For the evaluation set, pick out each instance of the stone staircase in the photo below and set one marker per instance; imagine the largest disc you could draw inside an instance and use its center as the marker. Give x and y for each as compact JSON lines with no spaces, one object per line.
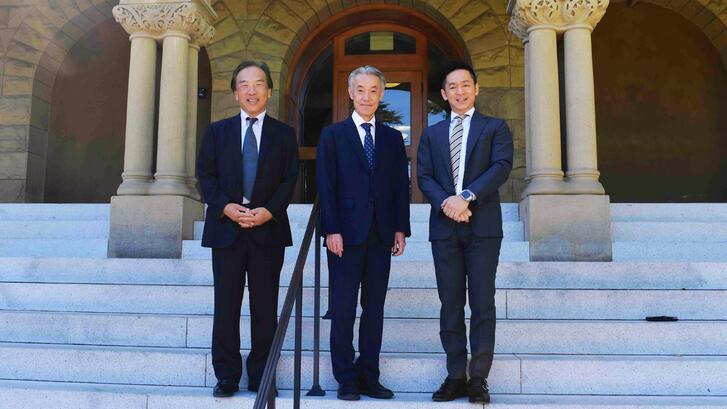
{"x":78,"y":330}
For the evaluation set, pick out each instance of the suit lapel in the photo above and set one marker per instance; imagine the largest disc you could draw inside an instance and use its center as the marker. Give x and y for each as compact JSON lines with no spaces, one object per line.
{"x":235,"y":143}
{"x":267,"y":137}
{"x":379,"y":141}
{"x":442,"y":138}
{"x":351,"y":136}
{"x":475,"y":131}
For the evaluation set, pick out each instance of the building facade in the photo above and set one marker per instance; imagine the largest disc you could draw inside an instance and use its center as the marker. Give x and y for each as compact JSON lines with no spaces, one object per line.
{"x":105,"y":97}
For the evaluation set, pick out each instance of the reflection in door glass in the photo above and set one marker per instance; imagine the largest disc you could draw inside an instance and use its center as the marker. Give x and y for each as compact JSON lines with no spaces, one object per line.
{"x":395,"y":109}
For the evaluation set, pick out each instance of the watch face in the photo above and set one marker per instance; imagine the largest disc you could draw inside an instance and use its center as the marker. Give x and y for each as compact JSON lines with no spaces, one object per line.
{"x":466,"y":195}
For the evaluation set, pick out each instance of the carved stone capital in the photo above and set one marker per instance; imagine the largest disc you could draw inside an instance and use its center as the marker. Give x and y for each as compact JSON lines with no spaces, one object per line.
{"x":557,"y":14}
{"x":156,"y":19}
{"x":586,"y":12}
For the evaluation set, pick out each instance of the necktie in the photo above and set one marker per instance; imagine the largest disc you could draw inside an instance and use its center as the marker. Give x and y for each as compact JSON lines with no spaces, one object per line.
{"x":369,"y":144}
{"x":455,"y":145}
{"x":249,"y":160}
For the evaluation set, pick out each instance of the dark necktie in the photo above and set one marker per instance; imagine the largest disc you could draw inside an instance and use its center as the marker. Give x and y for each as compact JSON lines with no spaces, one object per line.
{"x":369,"y":144}
{"x":249,"y":160}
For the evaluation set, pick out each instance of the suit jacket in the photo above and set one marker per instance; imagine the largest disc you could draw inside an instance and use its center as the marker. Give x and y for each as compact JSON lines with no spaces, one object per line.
{"x":219,"y":170}
{"x":488,"y":161}
{"x":349,"y":193}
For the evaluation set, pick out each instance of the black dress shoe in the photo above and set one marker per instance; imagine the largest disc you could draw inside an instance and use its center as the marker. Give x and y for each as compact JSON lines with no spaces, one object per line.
{"x":450,"y":390}
{"x":477,"y":390}
{"x":374,"y":389}
{"x":225,"y":389}
{"x":348,"y":391}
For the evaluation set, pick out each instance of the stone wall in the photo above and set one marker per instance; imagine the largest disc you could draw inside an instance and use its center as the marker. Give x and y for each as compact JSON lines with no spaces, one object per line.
{"x":36,"y":35}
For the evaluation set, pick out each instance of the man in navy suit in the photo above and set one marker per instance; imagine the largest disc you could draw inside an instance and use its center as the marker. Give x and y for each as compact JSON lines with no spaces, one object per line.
{"x":247,"y":168}
{"x":461,"y":163}
{"x":363,"y":188}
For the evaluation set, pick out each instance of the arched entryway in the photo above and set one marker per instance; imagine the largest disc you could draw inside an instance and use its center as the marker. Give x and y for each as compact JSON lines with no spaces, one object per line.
{"x":409,"y":47}
{"x":85,"y":150}
{"x":661,"y":98}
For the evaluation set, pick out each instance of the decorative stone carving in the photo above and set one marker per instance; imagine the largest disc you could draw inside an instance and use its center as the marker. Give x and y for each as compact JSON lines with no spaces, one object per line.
{"x":157,"y":19}
{"x":588,"y":12}
{"x":557,"y":14}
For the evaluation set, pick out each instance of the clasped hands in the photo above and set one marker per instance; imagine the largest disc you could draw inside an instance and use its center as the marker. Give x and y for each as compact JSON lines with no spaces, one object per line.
{"x":457,"y":209}
{"x":334,"y":243}
{"x":247,"y":218}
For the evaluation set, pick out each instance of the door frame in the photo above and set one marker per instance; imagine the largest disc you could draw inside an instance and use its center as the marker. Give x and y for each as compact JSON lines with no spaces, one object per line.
{"x":398,"y":18}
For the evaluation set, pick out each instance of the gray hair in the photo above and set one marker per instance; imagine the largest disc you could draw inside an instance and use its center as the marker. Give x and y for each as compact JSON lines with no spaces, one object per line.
{"x":366,"y":69}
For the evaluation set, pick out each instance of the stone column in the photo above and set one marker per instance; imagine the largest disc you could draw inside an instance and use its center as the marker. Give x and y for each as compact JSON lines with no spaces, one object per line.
{"x":582,"y":174}
{"x":522,"y":33}
{"x":565,"y":219}
{"x":153,"y":223}
{"x":139,"y":144}
{"x":171,"y":175}
{"x":546,"y":174}
{"x":191,"y":149}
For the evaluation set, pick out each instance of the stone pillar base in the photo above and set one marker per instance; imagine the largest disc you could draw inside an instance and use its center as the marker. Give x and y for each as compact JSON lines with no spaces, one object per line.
{"x":567,"y":227}
{"x":151,"y":226}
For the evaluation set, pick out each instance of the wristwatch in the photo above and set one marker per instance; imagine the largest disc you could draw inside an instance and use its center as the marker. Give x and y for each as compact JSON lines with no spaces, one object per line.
{"x":467,"y":195}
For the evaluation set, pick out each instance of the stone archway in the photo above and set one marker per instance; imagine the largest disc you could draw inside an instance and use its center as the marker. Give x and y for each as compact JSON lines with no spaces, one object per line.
{"x":661,"y":94}
{"x":40,"y":37}
{"x":708,"y":16}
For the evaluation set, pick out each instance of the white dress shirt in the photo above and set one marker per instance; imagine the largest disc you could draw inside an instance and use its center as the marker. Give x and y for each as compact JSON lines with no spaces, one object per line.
{"x":465,"y":132}
{"x":257,"y":130}
{"x":361,"y":131}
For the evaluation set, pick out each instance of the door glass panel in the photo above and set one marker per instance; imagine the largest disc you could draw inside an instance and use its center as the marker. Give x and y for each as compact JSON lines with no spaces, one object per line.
{"x":381,"y":42}
{"x":395,"y":109}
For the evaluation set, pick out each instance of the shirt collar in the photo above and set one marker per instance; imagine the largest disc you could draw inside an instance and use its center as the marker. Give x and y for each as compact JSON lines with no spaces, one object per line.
{"x":469,"y":114}
{"x":260,"y":116}
{"x":358,"y":120}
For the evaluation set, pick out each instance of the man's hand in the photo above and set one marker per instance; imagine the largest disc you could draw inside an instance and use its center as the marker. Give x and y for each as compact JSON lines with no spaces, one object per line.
{"x":464,"y":217}
{"x":399,"y":243}
{"x":334,"y":243}
{"x":255,"y":217}
{"x":454,"y":207}
{"x":235,"y":212}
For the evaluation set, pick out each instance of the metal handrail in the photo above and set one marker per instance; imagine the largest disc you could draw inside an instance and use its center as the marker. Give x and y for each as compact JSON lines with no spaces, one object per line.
{"x":267,"y":392}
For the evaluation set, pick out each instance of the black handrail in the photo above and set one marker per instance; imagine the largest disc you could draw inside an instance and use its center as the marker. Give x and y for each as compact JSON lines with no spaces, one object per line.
{"x":267,"y":392}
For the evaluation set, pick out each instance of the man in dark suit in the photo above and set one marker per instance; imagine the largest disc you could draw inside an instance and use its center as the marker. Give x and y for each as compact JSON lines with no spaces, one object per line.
{"x":461,"y":163}
{"x":247,"y":167}
{"x":363,"y":188}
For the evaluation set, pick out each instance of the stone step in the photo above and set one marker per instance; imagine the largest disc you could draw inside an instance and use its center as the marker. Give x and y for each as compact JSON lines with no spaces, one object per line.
{"x":54,"y":211}
{"x":669,"y":212}
{"x":93,"y":248}
{"x":513,"y":336}
{"x":55,"y":229}
{"x":512,"y":231}
{"x":669,"y":251}
{"x":401,"y":302}
{"x":412,"y":274}
{"x":415,"y":251}
{"x":526,"y":374}
{"x":670,"y":232}
{"x":419,"y":212}
{"x":36,"y":394}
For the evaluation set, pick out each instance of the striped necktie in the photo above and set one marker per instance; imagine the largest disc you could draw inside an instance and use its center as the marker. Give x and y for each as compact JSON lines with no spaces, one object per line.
{"x":455,"y":145}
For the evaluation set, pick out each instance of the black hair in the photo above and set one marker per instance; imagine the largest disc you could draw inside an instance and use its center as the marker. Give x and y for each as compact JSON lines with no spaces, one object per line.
{"x":247,"y":64}
{"x":458,"y":65}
